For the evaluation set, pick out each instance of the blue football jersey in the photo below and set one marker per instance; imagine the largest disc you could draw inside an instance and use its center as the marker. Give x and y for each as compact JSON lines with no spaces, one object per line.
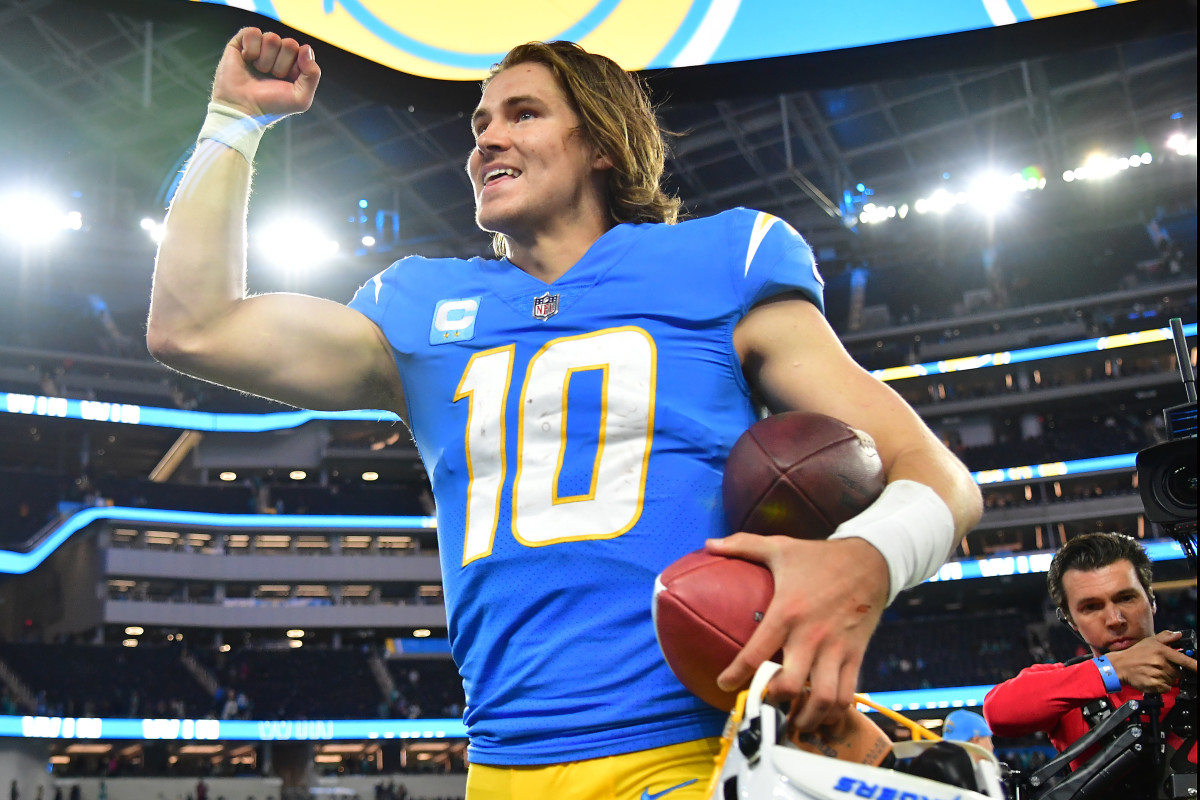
{"x":575,"y":435}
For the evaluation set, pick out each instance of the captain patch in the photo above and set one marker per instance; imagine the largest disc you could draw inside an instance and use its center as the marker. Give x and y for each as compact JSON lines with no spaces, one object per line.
{"x":454,"y":320}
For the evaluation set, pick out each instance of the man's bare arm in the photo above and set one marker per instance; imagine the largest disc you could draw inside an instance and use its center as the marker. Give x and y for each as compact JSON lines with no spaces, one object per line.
{"x":830,"y":594}
{"x":301,"y":350}
{"x":797,"y":362}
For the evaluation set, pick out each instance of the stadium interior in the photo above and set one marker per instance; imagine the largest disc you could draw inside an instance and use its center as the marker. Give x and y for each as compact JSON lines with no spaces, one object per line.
{"x":1005,"y":226}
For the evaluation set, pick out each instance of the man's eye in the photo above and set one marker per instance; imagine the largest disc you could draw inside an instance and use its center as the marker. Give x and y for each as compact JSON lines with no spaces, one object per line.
{"x":525,"y":115}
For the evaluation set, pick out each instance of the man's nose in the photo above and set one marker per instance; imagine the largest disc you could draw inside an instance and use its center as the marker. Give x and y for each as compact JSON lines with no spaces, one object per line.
{"x":491,"y":137}
{"x":1113,"y":616}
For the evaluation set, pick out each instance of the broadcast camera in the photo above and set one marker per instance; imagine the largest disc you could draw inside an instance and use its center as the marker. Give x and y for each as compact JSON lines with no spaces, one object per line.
{"x":1132,"y":758}
{"x":1167,"y":471}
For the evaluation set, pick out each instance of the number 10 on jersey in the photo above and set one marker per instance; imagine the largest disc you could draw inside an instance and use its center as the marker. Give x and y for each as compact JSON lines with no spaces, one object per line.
{"x":627,"y":360}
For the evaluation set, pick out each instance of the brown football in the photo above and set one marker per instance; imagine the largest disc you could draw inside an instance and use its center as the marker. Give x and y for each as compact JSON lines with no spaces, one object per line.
{"x":705,"y":609}
{"x":799,"y":474}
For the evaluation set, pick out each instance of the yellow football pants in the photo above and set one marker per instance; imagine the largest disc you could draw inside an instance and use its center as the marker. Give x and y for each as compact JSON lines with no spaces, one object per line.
{"x":675,"y":772}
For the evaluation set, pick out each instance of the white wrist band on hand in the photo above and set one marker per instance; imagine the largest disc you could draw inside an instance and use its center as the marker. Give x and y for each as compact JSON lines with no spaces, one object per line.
{"x":911,"y":527}
{"x":233,"y":129}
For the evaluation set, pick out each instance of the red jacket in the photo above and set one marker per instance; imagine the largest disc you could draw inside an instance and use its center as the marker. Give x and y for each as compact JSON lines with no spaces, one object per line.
{"x":1051,"y":697}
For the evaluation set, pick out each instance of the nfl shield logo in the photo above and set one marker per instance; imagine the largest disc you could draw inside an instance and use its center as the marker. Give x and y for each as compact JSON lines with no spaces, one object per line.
{"x":545,"y":307}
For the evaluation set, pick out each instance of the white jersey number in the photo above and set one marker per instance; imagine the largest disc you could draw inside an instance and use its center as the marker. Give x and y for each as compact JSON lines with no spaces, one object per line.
{"x":626,"y":359}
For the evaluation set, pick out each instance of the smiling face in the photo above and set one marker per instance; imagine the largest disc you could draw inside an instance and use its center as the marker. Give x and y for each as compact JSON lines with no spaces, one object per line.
{"x":533,"y":171}
{"x":1108,"y":606}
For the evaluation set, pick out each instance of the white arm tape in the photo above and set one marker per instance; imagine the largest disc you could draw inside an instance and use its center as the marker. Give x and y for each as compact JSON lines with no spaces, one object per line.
{"x":233,"y":129}
{"x":911,"y":527}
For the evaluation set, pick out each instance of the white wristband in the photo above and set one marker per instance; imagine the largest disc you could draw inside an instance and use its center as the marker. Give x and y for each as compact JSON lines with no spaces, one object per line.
{"x":911,"y":527}
{"x":233,"y":129}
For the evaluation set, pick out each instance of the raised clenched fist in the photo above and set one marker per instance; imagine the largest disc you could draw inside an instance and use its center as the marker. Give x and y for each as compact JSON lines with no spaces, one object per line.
{"x":265,"y":75}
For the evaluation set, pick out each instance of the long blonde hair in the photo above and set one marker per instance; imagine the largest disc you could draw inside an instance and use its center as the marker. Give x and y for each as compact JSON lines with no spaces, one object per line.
{"x":616,"y":116}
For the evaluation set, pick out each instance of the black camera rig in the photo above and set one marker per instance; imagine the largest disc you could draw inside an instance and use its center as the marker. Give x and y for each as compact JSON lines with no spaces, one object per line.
{"x":1167,"y":471}
{"x":1132,"y":758}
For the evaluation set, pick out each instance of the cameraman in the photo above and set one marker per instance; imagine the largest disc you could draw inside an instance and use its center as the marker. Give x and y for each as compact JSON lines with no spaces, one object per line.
{"x":1100,"y":583}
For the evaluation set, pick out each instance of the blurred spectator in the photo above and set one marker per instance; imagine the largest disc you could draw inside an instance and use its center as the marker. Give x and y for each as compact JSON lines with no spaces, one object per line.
{"x":967,"y":726}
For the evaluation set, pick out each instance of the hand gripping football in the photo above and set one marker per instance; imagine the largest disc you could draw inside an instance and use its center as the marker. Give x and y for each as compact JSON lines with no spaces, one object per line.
{"x":796,"y":474}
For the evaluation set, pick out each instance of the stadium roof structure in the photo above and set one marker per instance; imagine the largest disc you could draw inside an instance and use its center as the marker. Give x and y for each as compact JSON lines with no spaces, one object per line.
{"x":106,"y":98}
{"x":101,"y":101}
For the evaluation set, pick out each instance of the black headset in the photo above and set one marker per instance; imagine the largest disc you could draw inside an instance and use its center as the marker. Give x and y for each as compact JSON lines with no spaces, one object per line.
{"x":1065,"y":620}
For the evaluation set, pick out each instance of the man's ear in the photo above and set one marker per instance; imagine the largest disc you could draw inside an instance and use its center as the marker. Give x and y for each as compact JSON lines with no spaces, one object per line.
{"x":601,"y":161}
{"x":1064,"y":619}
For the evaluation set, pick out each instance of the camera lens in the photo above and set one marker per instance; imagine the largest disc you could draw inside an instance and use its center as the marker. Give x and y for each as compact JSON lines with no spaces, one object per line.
{"x":1167,"y":481}
{"x":1179,"y":484}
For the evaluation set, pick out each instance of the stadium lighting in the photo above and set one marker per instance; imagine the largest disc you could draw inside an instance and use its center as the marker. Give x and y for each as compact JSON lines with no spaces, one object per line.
{"x":1030,"y":179}
{"x":939,"y":202}
{"x":1182,"y":145}
{"x":134,"y":630}
{"x":130,"y":643}
{"x":295,"y":633}
{"x":297,"y":474}
{"x":294,"y":643}
{"x":368,"y":241}
{"x":421,"y":633}
{"x":228,"y":476}
{"x":992,"y":193}
{"x":370,"y":476}
{"x":295,"y":243}
{"x":873,"y":214}
{"x":32,"y":218}
{"x":1099,"y":166}
{"x":154,"y":229}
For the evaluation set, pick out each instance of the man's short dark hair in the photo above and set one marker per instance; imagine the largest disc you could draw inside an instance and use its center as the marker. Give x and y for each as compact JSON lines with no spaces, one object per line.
{"x":1092,"y":551}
